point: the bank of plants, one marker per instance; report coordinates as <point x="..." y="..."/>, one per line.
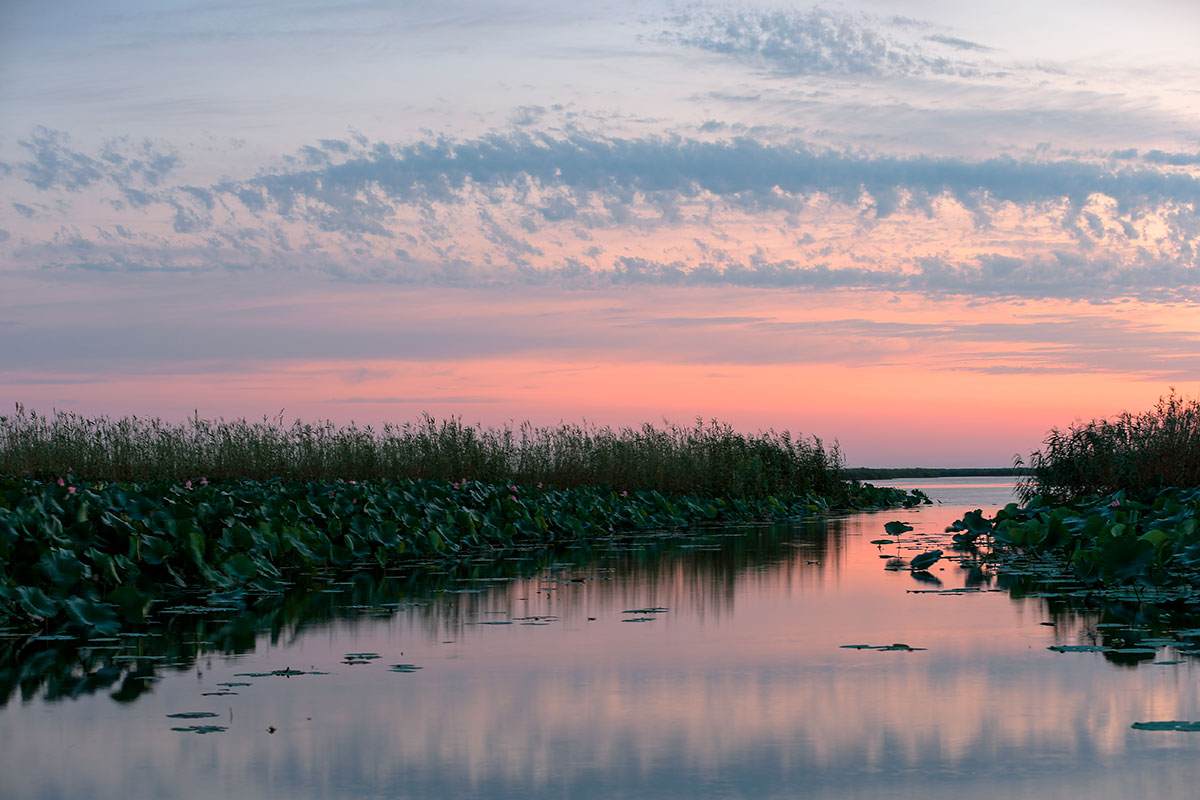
<point x="88" y="557"/>
<point x="706" y="459"/>
<point x="1115" y="501"/>
<point x="1139" y="454"/>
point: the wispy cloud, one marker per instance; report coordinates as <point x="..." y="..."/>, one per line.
<point x="817" y="42"/>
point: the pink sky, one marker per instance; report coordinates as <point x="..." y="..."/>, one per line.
<point x="928" y="232"/>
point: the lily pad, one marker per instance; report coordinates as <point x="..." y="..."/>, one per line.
<point x="404" y="668"/>
<point x="202" y="729"/>
<point x="1078" y="648"/>
<point x="193" y="715"/>
<point x="1169" y="725"/>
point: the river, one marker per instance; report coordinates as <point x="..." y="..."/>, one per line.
<point x="669" y="667"/>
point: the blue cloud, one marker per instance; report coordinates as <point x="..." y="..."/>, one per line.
<point x="814" y="42"/>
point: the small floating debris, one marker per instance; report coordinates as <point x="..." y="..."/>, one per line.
<point x="1168" y="725"/>
<point x="883" y="541"/>
<point x="655" y="610"/>
<point x="193" y="715"/>
<point x="217" y="694"/>
<point x="403" y="668"/>
<point x="235" y="683"/>
<point x="202" y="729"/>
<point x="640" y="619"/>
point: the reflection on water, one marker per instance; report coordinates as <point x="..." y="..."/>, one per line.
<point x="531" y="677"/>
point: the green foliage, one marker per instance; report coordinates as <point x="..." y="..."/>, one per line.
<point x="707" y="459"/>
<point x="1108" y="540"/>
<point x="1138" y="453"/>
<point x="89" y="558"/>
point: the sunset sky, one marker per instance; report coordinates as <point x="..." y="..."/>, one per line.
<point x="930" y="230"/>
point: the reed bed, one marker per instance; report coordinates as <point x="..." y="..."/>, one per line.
<point x="1138" y="453"/>
<point x="706" y="459"/>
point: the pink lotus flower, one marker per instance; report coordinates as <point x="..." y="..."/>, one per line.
<point x="187" y="484"/>
<point x="61" y="482"/>
<point x="624" y="493"/>
<point x="70" y="490"/>
<point x="204" y="481"/>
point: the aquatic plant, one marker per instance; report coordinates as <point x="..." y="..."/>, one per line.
<point x="94" y="557"/>
<point x="1103" y="541"/>
<point x="1137" y="453"/>
<point x="707" y="459"/>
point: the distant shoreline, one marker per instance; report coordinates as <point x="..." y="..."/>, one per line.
<point x="894" y="473"/>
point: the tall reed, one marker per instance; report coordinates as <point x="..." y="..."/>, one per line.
<point x="1135" y="452"/>
<point x="705" y="459"/>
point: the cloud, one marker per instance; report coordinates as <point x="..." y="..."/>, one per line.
<point x="814" y="42"/>
<point x="580" y="208"/>
<point x="131" y="165"/>
<point x="956" y="43"/>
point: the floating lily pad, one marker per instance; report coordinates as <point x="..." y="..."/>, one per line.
<point x="639" y="619"/>
<point x="362" y="656"/>
<point x="193" y="715"/>
<point x="896" y="646"/>
<point x="235" y="683"/>
<point x="1078" y="648"/>
<point x="925" y="560"/>
<point x="646" y="611"/>
<point x="404" y="668"/>
<point x="202" y="729"/>
<point x="883" y="541"/>
<point x="1170" y="725"/>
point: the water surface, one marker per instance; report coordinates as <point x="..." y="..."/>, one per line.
<point x="735" y="683"/>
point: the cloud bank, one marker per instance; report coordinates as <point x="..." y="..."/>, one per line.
<point x="583" y="209"/>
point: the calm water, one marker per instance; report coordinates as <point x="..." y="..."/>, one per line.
<point x="741" y="688"/>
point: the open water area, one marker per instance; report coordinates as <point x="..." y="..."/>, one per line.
<point x="756" y="662"/>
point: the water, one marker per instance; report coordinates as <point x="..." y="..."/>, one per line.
<point x="741" y="688"/>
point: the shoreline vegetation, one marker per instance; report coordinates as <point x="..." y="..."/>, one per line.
<point x="104" y="523"/>
<point x="1111" y="505"/>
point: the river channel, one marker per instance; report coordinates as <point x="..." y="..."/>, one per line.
<point x="726" y="665"/>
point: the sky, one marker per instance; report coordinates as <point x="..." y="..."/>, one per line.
<point x="927" y="230"/>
